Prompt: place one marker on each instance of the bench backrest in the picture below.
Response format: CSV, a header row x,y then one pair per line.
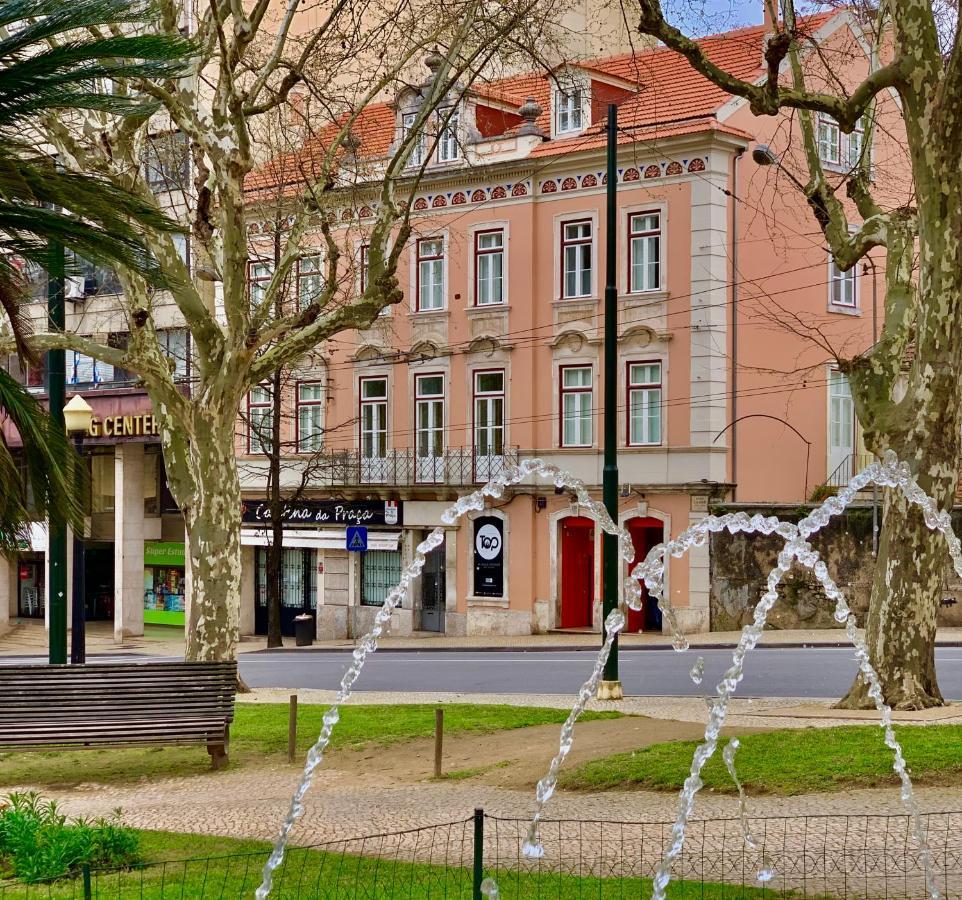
x,y
118,691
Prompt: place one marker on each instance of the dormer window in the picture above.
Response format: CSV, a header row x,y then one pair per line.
x,y
448,148
836,148
420,144
568,111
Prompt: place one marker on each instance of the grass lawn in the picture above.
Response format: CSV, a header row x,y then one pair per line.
x,y
259,735
787,761
235,872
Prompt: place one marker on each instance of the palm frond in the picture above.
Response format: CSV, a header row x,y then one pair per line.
x,y
49,461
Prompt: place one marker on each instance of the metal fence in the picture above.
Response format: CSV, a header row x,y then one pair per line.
x,y
811,856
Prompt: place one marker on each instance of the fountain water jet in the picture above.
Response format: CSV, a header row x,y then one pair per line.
x,y
889,473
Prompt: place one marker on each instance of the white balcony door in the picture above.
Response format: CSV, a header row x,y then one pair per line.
x,y
430,428
373,429
488,424
841,426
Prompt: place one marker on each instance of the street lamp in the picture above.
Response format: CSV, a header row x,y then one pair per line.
x,y
763,155
78,415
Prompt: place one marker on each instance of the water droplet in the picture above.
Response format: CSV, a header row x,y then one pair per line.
x,y
489,887
697,672
532,850
765,874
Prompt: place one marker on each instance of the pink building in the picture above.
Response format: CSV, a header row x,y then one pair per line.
x,y
495,354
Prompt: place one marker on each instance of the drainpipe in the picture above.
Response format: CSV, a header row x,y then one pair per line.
x,y
734,370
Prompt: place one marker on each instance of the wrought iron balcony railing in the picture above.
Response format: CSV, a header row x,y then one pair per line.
x,y
460,466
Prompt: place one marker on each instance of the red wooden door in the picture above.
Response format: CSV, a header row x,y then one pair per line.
x,y
645,533
577,571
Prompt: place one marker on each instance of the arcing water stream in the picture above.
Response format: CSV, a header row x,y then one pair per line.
x,y
797,548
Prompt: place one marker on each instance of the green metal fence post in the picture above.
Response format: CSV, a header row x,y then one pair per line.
x,y
88,891
478,853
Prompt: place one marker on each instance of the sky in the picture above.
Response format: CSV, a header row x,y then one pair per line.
x,y
699,17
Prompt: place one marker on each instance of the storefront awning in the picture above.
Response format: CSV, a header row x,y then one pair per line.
x,y
320,539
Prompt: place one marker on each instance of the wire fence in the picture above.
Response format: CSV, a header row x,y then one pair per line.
x,y
810,856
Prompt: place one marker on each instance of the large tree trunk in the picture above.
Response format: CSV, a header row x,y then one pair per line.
x,y
900,632
213,539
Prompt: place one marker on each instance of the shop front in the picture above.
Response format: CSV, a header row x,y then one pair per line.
x,y
164,575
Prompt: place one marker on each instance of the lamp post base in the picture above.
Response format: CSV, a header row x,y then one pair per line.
x,y
610,690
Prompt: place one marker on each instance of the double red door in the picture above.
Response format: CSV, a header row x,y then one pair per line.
x,y
577,571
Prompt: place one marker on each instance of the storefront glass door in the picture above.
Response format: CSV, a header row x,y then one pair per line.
x,y
298,588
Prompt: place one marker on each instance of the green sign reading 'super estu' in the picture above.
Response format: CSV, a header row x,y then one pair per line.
x,y
163,553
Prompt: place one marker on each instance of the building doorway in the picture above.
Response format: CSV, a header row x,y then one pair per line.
x,y
30,597
577,571
298,587
645,533
433,590
99,582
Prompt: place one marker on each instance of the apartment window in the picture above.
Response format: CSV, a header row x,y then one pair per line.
x,y
260,419
380,573
430,267
310,416
419,149
489,267
644,252
644,403
843,287
448,147
488,422
568,111
841,424
429,416
167,162
364,263
259,275
373,424
310,280
576,253
175,345
83,369
836,148
575,405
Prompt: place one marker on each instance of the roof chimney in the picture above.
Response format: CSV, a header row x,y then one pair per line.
x,y
771,10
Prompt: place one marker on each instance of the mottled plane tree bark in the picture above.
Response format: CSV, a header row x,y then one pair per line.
x,y
923,300
247,63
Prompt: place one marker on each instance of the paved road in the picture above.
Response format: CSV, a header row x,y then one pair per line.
x,y
777,672
770,672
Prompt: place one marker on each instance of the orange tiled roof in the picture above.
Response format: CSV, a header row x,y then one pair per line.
x,y
672,99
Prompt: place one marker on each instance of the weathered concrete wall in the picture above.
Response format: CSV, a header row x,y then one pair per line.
x,y
740,565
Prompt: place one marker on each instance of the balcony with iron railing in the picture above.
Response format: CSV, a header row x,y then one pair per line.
x,y
848,468
453,467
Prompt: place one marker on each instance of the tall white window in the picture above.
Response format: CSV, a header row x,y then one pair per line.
x,y
841,425
260,420
576,258
576,406
837,148
310,416
489,267
843,286
310,280
429,415
430,266
448,147
644,403
420,144
568,111
373,437
855,141
644,252
259,275
488,423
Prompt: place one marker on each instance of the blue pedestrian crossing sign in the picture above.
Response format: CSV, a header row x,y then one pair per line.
x,y
356,538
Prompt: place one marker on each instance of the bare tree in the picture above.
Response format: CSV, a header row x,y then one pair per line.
x,y
918,56
249,59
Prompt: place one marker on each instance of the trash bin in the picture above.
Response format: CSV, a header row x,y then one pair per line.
x,y
303,630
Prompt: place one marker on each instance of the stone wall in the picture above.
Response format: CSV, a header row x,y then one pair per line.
x,y
740,564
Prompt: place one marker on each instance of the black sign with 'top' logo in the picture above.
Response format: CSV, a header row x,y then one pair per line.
x,y
488,557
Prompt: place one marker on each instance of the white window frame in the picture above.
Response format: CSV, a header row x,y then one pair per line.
x,y
374,465
650,392
486,253
841,283
449,148
580,414
644,237
430,433
490,464
313,441
426,263
310,274
568,112
419,150
565,243
258,399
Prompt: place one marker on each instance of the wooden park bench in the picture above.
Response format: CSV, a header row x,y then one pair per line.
x,y
128,704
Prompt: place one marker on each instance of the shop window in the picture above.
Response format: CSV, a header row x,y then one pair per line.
x,y
101,483
298,578
380,572
164,574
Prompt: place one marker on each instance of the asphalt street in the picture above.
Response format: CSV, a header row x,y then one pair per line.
x,y
775,672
